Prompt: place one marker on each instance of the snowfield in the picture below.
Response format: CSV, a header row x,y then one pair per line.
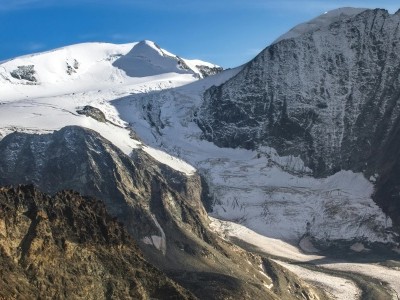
x,y
52,100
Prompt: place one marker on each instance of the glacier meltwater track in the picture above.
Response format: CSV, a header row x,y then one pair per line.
x,y
338,278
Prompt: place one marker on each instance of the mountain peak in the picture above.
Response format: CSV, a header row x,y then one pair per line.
x,y
146,46
147,42
148,59
320,22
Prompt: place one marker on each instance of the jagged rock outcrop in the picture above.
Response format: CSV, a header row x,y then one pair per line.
x,y
160,207
92,112
209,71
68,247
25,73
329,94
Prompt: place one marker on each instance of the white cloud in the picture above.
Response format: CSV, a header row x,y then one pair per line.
x,y
212,5
317,6
124,37
34,46
253,51
7,5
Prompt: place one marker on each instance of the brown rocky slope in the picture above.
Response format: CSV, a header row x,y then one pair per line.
x,y
68,247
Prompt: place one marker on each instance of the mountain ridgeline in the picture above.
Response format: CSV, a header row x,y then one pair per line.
x,y
330,95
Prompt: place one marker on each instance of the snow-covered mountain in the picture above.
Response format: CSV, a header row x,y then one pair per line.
x,y
256,187
284,144
157,196
44,92
148,59
91,66
274,195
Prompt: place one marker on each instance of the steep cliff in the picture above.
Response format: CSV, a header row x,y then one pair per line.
x,y
329,94
80,159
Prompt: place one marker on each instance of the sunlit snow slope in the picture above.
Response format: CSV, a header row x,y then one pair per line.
x,y
85,67
44,92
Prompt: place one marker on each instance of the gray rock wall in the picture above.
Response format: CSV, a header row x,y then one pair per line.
x,y
330,96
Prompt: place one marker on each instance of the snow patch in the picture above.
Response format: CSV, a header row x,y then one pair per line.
x,y
160,242
268,245
358,247
307,246
171,161
153,240
48,115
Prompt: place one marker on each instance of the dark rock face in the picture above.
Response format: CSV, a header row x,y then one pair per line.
x,y
330,96
25,73
72,69
92,112
160,207
209,71
69,247
80,159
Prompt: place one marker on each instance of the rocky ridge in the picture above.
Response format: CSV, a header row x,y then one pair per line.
x,y
68,247
160,207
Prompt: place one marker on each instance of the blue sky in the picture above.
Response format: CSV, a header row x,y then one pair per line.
x,y
225,32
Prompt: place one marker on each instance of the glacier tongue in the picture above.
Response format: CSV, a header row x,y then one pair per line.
x,y
280,205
